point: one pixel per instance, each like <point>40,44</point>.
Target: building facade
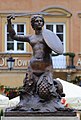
<point>62,17</point>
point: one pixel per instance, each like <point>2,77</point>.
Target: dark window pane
<point>20,28</point>
<point>60,36</point>
<point>9,38</point>
<point>59,28</point>
<point>10,46</point>
<point>50,27</point>
<point>20,46</point>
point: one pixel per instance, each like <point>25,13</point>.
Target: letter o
<point>19,63</point>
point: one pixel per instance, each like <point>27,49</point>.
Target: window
<point>12,45</point>
<point>59,30</point>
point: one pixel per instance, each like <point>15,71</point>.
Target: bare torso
<point>41,53</point>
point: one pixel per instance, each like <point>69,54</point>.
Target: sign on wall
<point>18,62</point>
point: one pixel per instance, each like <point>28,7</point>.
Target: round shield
<point>53,41</point>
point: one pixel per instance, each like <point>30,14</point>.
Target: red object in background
<point>63,101</point>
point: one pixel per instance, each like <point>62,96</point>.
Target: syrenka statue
<point>40,92</point>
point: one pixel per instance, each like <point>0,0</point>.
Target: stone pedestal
<point>40,118</point>
<point>22,115</point>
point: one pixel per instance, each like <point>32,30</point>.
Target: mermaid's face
<point>37,22</point>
